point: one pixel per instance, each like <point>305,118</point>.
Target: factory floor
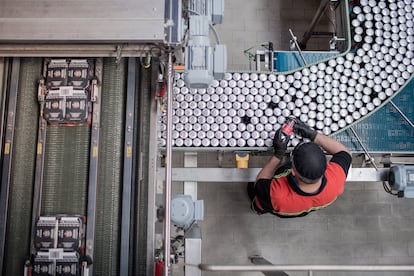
<point>364,226</point>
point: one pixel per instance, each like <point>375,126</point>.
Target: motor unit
<point>401,179</point>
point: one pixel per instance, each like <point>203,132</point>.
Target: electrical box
<point>401,179</point>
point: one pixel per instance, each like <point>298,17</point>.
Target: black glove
<point>304,130</point>
<point>280,142</point>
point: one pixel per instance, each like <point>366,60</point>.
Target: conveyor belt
<point>109,188</point>
<point>244,109</point>
<point>65,179</point>
<point>21,182</point>
<point>385,130</point>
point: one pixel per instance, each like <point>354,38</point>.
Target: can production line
<point>336,96</point>
<point>243,109</point>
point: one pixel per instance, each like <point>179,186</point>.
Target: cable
<point>387,188</point>
<point>215,33</point>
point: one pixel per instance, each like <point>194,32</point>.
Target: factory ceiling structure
<point>97,97</point>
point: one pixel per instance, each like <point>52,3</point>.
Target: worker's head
<point>309,162</point>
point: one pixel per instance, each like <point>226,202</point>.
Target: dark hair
<point>309,162</point>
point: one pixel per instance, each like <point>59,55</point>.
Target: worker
<point>307,182</point>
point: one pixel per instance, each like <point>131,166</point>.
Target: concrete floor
<point>364,226</point>
<point>247,24</point>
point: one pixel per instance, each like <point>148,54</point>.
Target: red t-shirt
<point>283,197</point>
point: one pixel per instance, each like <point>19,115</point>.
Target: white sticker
<point>55,253</point>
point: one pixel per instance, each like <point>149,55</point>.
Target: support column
<point>93,169</point>
<point>127,174</point>
<point>192,243</point>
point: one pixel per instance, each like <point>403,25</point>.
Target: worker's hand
<point>304,130</point>
<point>280,142</point>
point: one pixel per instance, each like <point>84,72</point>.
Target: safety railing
<point>307,268</point>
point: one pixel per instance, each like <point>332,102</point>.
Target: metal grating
<point>386,130</point>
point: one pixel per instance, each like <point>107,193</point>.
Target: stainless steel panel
<point>82,21</point>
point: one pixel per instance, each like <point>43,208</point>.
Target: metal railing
<point>307,268</point>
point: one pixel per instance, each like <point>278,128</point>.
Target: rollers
<point>245,109</point>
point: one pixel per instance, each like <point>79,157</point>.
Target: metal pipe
<point>402,114</point>
<point>261,268</point>
<point>167,191</point>
<point>363,148</point>
<point>297,45</point>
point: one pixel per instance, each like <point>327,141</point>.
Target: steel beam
<point>3,78</point>
<point>93,168</point>
<point>124,256</point>
<point>153,187</point>
<point>75,50</point>
<point>249,175</point>
<point>38,181</point>
<point>168,180</point>
<point>249,268</point>
<point>7,154</point>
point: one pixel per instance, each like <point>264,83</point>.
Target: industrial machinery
<point>185,211</point>
<point>245,108</point>
<point>207,109</point>
<point>58,242</point>
<point>203,63</point>
<point>401,179</point>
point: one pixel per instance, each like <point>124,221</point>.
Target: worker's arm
<point>329,144</point>
<point>279,147</point>
<point>269,169</point>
